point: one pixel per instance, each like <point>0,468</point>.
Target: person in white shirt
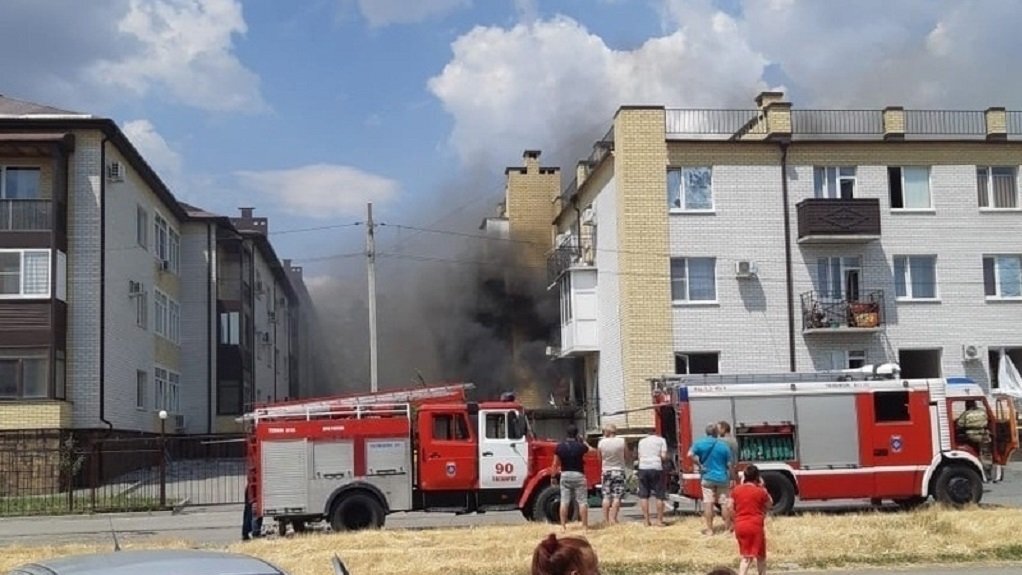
<point>652,454</point>
<point>614,455</point>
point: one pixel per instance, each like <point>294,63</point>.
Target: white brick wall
<point>610,375</point>
<point>198,325</point>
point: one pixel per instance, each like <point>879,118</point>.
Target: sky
<point>308,109</point>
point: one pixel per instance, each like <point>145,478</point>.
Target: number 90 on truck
<point>352,460</point>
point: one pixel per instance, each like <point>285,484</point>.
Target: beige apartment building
<point>777,239</point>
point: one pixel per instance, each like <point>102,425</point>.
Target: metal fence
<point>719,122</point>
<point>55,472</point>
<point>25,215</point>
<point>837,122</point>
<point>945,122</point>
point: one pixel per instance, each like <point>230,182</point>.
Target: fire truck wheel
<point>958,485</point>
<point>547,506</point>
<point>357,511</point>
<point>781,491</point>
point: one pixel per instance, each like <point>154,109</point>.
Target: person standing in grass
<point>713,457</point>
<point>569,463</point>
<point>749,504</point>
<point>614,454</point>
<point>652,454</point>
<point>724,432</point>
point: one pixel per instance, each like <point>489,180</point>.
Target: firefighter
<point>973,424</point>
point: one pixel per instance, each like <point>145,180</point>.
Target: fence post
<point>97,455</point>
<point>163,467</point>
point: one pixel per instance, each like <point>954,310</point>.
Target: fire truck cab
<point>842,435</point>
<point>353,460</point>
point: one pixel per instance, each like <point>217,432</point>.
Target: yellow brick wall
<point>900,153</point>
<point>43,414</point>
<point>640,156</point>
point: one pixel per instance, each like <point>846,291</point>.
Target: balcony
<point>26,215</point>
<point>825,315</point>
<point>574,253</point>
<point>828,221</point>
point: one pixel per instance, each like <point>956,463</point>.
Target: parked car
<point>151,562</point>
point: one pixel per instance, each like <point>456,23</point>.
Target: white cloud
<point>553,82</point>
<point>386,12</point>
<point>183,49</point>
<point>156,151</point>
<point>321,190</point>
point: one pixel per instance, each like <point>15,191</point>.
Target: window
<point>174,321</point>
<point>24,274</point>
<point>19,183</point>
<point>566,298</point>
<point>909,188</point>
<point>24,374</point>
<point>142,309</point>
<point>228,397</point>
<point>173,392</point>
<point>890,406</point>
<point>160,395</point>
<point>141,389</point>
<point>450,427</point>
<point>834,182</point>
<point>142,227</point>
<point>229,328</point>
<point>160,238</point>
<point>851,359</point>
<point>693,279</point>
<point>837,278</point>
<point>496,426</point>
<point>174,252</point>
<point>997,187</point>
<point>691,363</point>
<point>1002,276</point>
<point>690,189</point>
<point>160,313</point>
<point>915,277</point>
<point>59,375</point>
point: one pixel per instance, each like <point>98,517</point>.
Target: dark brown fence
<point>54,472</point>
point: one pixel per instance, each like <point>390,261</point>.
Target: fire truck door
<point>503,449</point>
<point>447,451</point>
<point>901,446</point>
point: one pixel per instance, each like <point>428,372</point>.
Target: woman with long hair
<point>564,556</point>
<point>749,503</point>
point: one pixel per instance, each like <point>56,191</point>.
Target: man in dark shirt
<point>568,462</point>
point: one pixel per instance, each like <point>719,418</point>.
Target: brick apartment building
<point>117,301</point>
<point>777,239</point>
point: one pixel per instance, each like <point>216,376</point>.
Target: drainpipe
<point>102,283</point>
<point>789,281</point>
<point>209,322</point>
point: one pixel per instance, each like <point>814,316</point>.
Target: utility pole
<point>371,263</point>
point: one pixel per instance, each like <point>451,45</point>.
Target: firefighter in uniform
<point>973,425</point>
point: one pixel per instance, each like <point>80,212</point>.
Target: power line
<point>315,229</point>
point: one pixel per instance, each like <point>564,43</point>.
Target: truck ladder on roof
<point>869,372</point>
<point>350,402</point>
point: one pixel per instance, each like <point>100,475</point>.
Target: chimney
<point>776,112</point>
<point>246,213</point>
<point>247,222</point>
<point>997,123</point>
<point>894,123</point>
<point>531,161</point>
<point>766,98</point>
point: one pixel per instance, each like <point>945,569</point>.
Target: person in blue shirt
<point>713,458</point>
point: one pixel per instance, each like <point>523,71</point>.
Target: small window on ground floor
<point>24,374</point>
<point>919,363</point>
<point>690,363</point>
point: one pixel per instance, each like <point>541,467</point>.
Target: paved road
<point>221,525</point>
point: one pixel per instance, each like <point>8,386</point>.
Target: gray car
<point>151,562</point>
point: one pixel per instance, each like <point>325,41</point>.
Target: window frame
<point>142,227</point>
<point>901,182</point>
<point>822,192</point>
<point>141,389</point>
<point>688,281</point>
<point>19,356</point>
<point>686,356</point>
<point>142,309</point>
<point>457,424</point>
<point>907,282</point>
<point>682,207</point>
<point>989,184</point>
<point>826,294</point>
<point>890,408</point>
<point>173,251</point>
<point>997,277</point>
<point>22,253</point>
<point>3,181</point>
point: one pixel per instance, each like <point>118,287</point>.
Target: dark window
<point>228,397</point>
<point>890,406</point>
<point>24,376</point>
<point>450,427</point>
<point>691,363</point>
<point>894,183</point>
<point>496,426</point>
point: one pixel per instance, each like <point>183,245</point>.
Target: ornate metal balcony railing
<point>820,313</point>
<point>823,218</point>
<point>573,253</point>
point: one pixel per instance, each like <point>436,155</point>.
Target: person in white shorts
<point>614,455</point>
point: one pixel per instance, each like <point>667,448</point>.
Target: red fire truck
<point>852,434</point>
<point>354,459</point>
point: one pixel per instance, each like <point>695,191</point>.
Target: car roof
<point>152,562</point>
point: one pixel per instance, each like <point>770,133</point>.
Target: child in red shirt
<point>750,503</point>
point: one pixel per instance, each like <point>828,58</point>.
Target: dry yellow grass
<point>927,536</point>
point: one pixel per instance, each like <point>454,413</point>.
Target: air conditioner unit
<point>745,269</point>
<point>179,423</point>
<point>588,215</point>
<point>115,172</point>
<point>134,288</point>
<point>970,352</point>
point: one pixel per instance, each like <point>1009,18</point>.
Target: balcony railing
<point>945,122</point>
<point>26,215</point>
<point>720,122</point>
<point>575,252</point>
<point>821,314</point>
<point>823,220</point>
<point>837,122</point>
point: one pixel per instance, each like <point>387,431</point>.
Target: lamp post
<point>163,458</point>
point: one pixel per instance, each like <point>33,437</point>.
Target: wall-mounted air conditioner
<point>589,215</point>
<point>134,288</point>
<point>970,352</point>
<point>745,269</point>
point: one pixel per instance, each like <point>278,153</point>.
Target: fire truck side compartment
<point>333,465</point>
<point>706,410</point>
<point>285,467</point>
<point>828,432</point>
<point>389,468</point>
<point>757,410</point>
